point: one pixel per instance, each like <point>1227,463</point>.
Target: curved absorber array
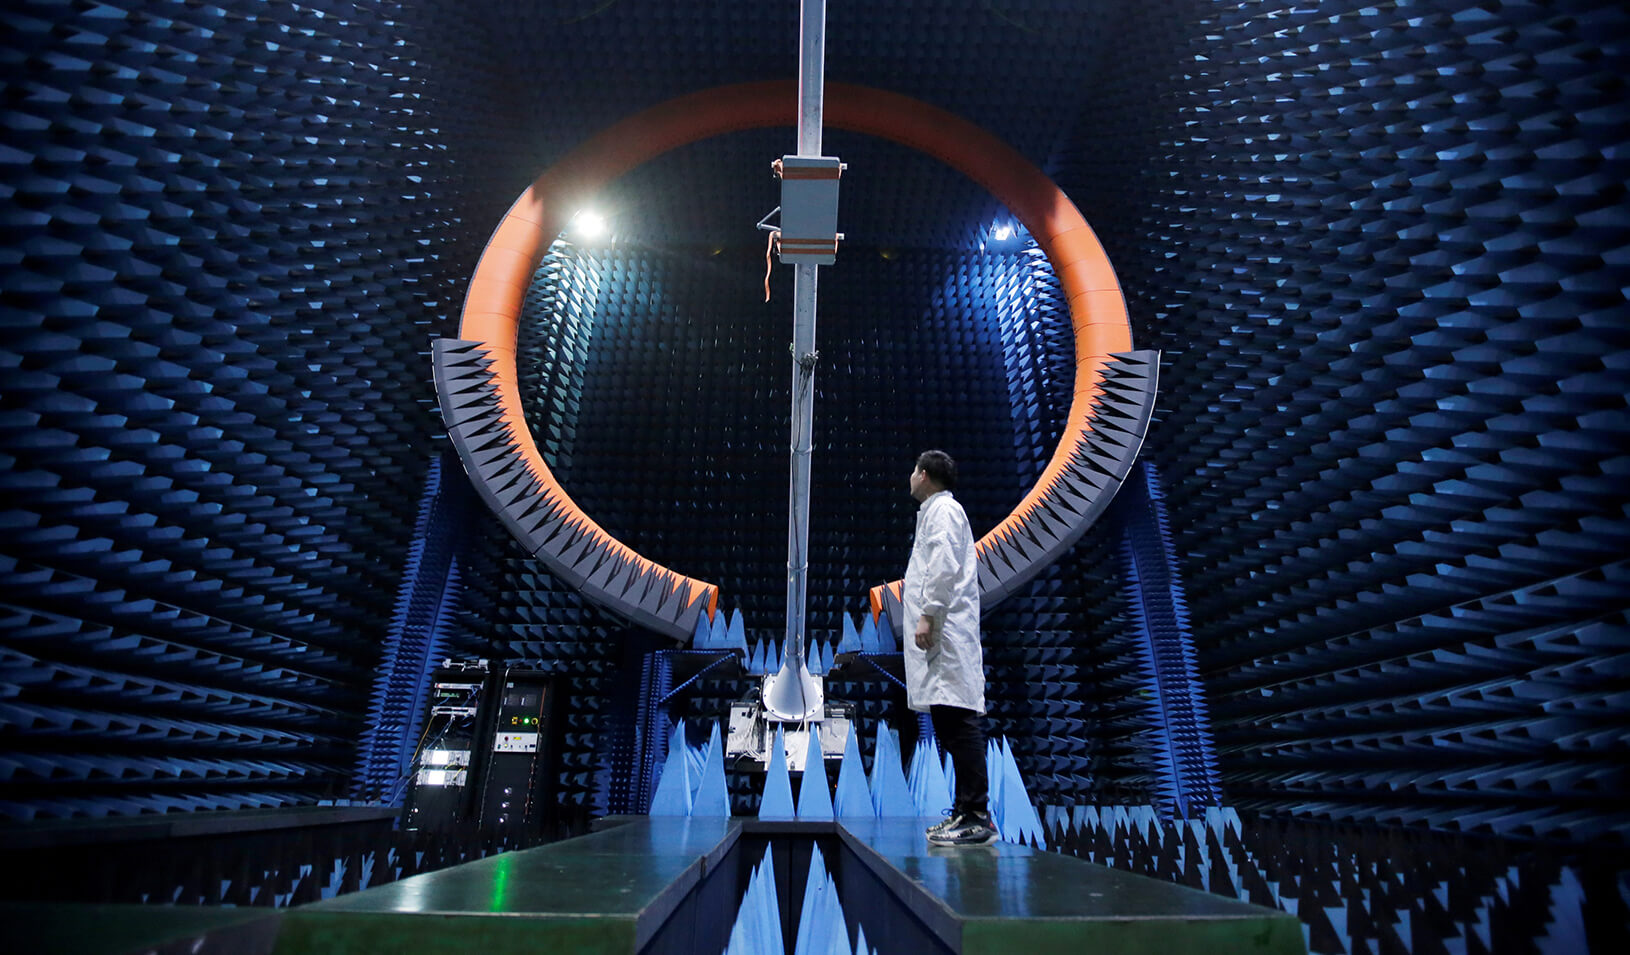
<point>477,383</point>
<point>1090,465</point>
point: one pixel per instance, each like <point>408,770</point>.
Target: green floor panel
<point>612,891</point>
<point>1005,898</point>
<point>605,892</point>
<point>68,928</point>
<point>399,933</point>
<point>1134,936</point>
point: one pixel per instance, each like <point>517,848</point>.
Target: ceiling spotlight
<point>588,225</point>
<point>1001,233</point>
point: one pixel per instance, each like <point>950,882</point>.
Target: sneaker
<point>965,830</point>
<point>944,824</point>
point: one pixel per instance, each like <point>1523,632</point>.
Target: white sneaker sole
<point>955,844</point>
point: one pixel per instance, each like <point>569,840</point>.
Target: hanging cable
<point>770,248</point>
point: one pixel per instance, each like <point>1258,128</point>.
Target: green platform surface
<point>67,928</point>
<point>604,892</point>
<point>611,891</point>
<point>1009,898</point>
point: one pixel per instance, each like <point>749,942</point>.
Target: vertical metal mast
<point>811,93</point>
<point>793,693</point>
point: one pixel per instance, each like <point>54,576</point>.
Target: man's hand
<point>925,632</point>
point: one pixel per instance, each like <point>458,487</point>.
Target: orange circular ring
<point>492,307</point>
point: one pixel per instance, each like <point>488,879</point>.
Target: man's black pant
<point>962,733</point>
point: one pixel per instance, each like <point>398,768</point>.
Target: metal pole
<point>803,400</point>
<point>794,673</point>
<point>811,75</point>
<point>811,93</point>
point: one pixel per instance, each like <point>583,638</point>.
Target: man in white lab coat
<point>945,667</point>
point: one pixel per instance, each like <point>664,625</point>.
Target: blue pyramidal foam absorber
<point>673,790</point>
<point>814,799</point>
<point>777,802</point>
<point>1391,438</point>
<point>214,441</point>
<point>853,797</point>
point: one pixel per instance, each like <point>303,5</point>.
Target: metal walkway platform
<point>656,885</point>
<point>673,885</point>
<point>1007,898</point>
<point>604,892</point>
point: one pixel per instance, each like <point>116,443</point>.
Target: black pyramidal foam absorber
<point>1384,250</point>
<point>214,417</point>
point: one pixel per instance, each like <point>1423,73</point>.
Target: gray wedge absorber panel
<point>543,519</point>
<point>1040,532</point>
<point>1088,483</point>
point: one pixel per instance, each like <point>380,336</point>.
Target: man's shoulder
<point>944,504</point>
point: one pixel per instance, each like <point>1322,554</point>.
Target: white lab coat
<point>942,580</point>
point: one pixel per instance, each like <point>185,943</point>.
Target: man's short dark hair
<point>939,467</point>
